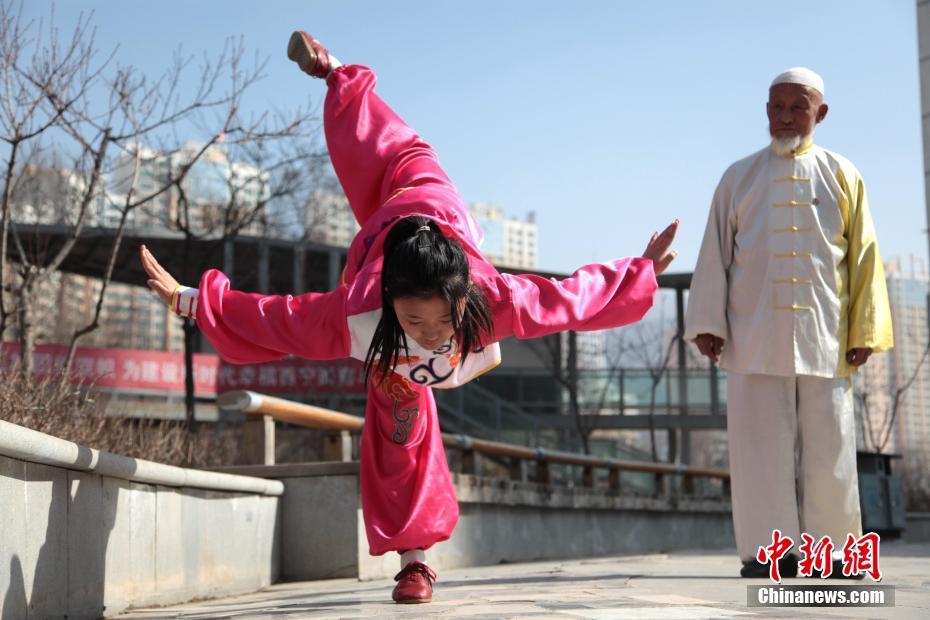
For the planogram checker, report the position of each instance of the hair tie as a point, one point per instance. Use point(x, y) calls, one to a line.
point(424, 228)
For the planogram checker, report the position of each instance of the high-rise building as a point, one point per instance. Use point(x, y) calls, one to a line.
point(132, 316)
point(916, 484)
point(328, 219)
point(50, 195)
point(65, 302)
point(591, 350)
point(923, 57)
point(222, 196)
point(905, 370)
point(508, 242)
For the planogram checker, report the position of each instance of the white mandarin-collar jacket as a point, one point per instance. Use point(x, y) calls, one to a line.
point(789, 273)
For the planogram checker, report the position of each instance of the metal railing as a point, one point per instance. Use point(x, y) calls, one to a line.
point(262, 412)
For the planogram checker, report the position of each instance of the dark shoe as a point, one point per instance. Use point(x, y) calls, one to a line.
point(837, 572)
point(309, 54)
point(787, 567)
point(414, 584)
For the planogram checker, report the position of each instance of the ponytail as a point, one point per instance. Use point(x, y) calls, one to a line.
point(420, 261)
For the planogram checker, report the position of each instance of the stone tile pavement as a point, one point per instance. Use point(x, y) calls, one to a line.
point(681, 585)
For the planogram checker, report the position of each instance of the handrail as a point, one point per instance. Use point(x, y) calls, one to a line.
point(318, 417)
point(288, 411)
point(496, 448)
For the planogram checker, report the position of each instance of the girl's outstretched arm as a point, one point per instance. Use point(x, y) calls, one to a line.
point(598, 296)
point(248, 328)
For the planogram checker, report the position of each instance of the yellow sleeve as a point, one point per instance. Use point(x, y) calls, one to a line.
point(869, 310)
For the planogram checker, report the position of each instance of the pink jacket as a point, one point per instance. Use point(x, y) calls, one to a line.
point(388, 173)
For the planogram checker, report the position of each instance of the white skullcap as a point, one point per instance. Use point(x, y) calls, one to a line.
point(800, 75)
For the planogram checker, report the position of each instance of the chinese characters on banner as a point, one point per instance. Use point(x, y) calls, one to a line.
point(136, 369)
point(860, 555)
point(294, 376)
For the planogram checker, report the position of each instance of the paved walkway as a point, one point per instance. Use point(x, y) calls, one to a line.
point(677, 585)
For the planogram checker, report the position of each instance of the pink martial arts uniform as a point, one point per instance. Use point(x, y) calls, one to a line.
point(389, 173)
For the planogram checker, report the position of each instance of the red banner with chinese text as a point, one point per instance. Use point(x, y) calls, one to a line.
point(161, 371)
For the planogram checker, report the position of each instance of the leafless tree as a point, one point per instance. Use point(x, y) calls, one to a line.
point(61, 96)
point(559, 353)
point(44, 80)
point(564, 369)
point(879, 401)
point(880, 408)
point(269, 159)
point(650, 354)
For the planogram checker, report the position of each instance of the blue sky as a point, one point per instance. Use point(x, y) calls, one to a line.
point(609, 119)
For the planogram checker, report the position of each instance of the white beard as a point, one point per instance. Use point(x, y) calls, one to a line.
point(789, 146)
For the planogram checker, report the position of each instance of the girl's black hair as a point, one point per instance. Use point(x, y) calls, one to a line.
point(424, 263)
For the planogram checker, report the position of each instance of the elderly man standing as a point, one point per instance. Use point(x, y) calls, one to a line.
point(789, 294)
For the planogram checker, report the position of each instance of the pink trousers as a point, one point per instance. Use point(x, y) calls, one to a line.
point(408, 500)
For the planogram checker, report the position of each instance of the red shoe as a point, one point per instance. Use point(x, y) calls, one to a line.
point(309, 54)
point(414, 584)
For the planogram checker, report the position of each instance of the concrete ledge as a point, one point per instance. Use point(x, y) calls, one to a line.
point(321, 518)
point(501, 521)
point(78, 544)
point(29, 445)
point(478, 490)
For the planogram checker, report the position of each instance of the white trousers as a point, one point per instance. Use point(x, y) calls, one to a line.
point(792, 459)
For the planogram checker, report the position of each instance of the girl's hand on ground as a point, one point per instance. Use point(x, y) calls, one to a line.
point(658, 248)
point(160, 280)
